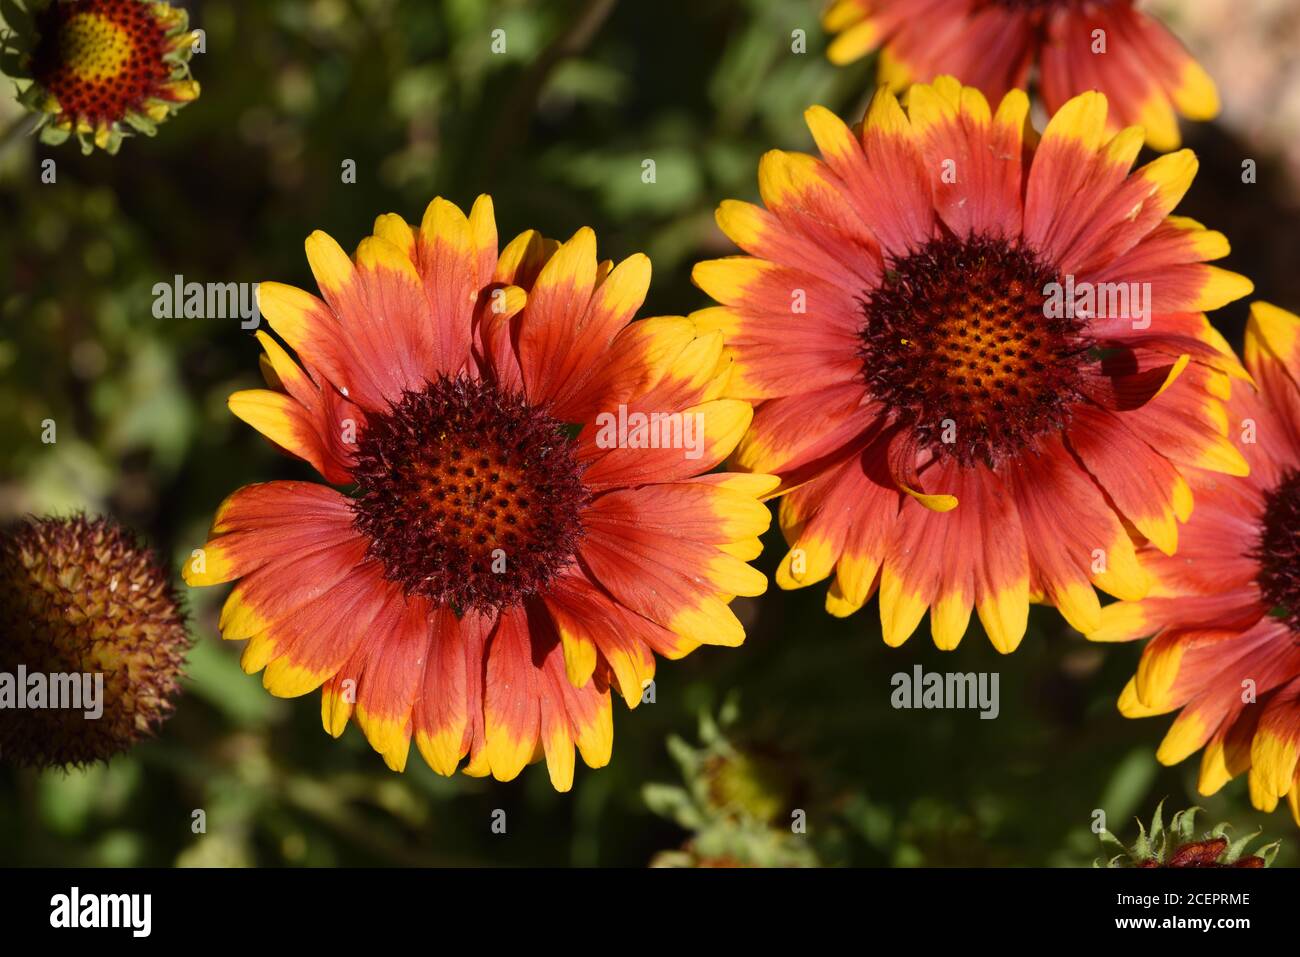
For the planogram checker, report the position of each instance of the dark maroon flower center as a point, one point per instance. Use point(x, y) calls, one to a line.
point(959, 344)
point(1278, 551)
point(1044, 6)
point(470, 496)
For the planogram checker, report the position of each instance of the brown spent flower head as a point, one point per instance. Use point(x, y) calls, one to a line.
point(81, 598)
point(1175, 846)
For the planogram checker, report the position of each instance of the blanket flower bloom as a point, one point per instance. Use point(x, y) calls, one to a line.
point(1078, 45)
point(100, 69)
point(981, 364)
point(507, 553)
point(1178, 845)
point(1226, 612)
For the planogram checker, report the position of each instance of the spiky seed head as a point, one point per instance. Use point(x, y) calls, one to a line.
point(83, 604)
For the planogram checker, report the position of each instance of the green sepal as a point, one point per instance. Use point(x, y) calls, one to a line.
point(141, 124)
point(115, 137)
point(1237, 848)
point(1184, 825)
point(1142, 849)
point(52, 135)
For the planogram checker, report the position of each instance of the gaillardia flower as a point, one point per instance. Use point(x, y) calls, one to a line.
point(981, 365)
point(1226, 611)
point(92, 641)
point(529, 519)
point(1078, 45)
point(99, 69)
point(1179, 846)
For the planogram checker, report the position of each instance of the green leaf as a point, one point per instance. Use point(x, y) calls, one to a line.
point(16, 16)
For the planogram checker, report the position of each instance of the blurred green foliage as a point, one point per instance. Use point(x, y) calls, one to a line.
point(556, 128)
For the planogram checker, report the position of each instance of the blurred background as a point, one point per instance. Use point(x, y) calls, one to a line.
point(556, 128)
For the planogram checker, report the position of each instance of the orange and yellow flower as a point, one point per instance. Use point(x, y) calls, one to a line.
point(1077, 45)
point(1226, 611)
point(505, 555)
point(101, 69)
point(956, 423)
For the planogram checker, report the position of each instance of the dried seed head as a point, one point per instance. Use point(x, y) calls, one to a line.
point(83, 605)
